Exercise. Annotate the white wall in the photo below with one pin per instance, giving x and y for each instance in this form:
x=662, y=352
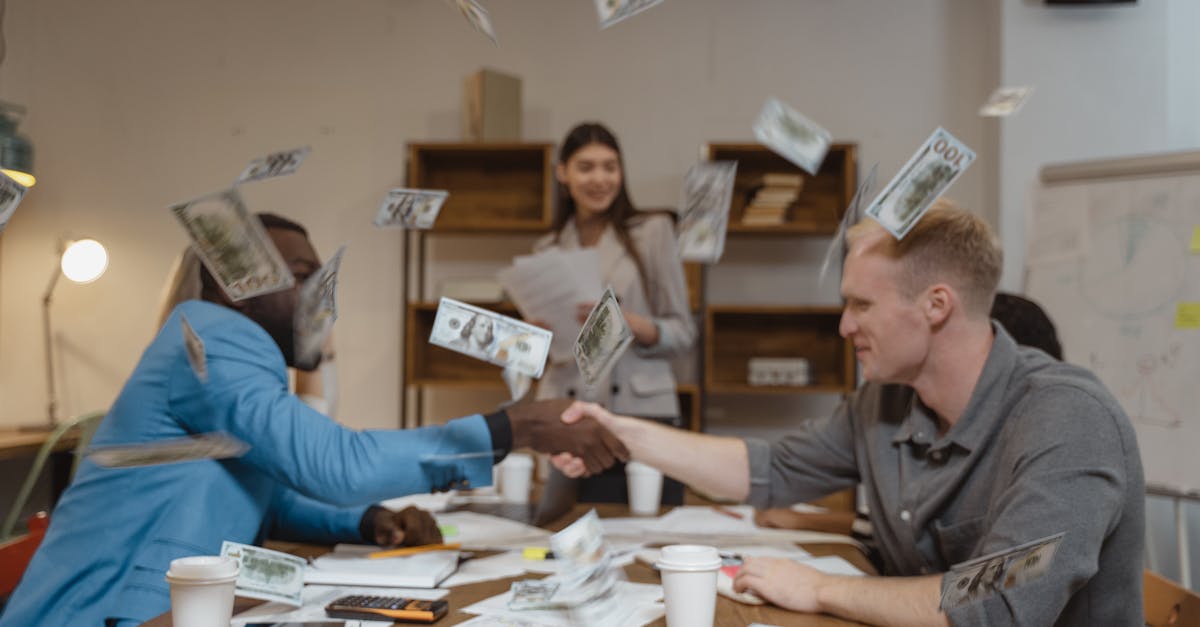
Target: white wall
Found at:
x=135, y=104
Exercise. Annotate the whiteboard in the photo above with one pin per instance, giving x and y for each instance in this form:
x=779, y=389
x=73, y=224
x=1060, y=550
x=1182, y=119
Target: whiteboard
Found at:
x=1108, y=257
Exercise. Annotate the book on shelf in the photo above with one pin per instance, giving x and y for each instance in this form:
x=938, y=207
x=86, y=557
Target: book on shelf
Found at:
x=777, y=179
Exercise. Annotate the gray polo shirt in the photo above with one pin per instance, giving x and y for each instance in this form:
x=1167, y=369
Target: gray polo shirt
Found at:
x=1041, y=448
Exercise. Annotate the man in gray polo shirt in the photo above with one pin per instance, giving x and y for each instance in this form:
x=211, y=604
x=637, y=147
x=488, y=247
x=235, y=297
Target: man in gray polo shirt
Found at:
x=965, y=444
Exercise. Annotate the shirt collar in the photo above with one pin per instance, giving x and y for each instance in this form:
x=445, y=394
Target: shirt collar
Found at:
x=977, y=422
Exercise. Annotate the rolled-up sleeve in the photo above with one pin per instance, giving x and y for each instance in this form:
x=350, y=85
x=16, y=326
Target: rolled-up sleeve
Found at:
x=816, y=459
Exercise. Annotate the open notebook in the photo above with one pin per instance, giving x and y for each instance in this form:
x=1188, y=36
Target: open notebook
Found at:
x=348, y=565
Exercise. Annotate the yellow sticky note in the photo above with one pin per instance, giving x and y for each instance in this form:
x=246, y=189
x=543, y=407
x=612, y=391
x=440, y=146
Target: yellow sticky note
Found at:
x=1195, y=240
x=1187, y=316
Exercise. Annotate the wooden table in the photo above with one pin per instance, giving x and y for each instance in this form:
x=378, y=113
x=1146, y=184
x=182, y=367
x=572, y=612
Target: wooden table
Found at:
x=729, y=612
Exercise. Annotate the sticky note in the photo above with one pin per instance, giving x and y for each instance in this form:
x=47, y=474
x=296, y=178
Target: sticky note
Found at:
x=535, y=553
x=448, y=531
x=1195, y=247
x=1187, y=316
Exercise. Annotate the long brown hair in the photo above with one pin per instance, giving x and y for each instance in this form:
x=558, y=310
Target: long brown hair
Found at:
x=621, y=213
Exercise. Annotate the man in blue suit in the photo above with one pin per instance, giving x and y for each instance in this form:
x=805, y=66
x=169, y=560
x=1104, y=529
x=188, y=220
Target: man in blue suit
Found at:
x=304, y=478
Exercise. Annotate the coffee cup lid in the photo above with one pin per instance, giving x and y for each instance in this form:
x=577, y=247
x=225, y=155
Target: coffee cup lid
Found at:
x=689, y=557
x=203, y=567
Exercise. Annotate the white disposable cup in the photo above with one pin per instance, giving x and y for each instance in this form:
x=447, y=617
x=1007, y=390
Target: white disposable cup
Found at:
x=689, y=580
x=202, y=590
x=516, y=473
x=645, y=488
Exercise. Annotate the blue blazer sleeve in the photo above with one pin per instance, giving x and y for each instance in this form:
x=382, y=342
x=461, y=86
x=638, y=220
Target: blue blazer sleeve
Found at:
x=297, y=518
x=246, y=396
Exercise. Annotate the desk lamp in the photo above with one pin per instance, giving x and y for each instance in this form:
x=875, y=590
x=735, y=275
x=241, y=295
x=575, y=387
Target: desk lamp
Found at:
x=83, y=261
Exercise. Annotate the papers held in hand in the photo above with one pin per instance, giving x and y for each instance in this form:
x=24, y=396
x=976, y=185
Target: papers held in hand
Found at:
x=350, y=565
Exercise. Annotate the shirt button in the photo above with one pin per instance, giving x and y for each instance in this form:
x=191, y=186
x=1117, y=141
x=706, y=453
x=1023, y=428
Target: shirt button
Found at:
x=905, y=516
x=936, y=456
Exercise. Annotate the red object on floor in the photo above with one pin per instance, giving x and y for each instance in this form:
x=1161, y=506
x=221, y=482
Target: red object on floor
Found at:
x=16, y=553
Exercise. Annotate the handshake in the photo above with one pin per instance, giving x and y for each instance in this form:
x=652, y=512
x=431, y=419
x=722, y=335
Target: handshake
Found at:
x=574, y=433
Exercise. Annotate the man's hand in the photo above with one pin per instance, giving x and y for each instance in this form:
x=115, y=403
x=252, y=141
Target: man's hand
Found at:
x=410, y=526
x=571, y=465
x=783, y=582
x=542, y=426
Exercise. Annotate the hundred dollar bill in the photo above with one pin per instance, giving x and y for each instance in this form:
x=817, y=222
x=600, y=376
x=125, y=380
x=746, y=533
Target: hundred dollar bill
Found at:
x=603, y=339
x=233, y=245
x=266, y=574
x=411, y=208
x=854, y=213
x=534, y=594
x=195, y=350
x=316, y=311
x=792, y=136
x=704, y=210
x=928, y=173
x=982, y=577
x=588, y=580
x=479, y=18
x=275, y=164
x=491, y=337
x=1005, y=101
x=613, y=11
x=11, y=194
x=185, y=449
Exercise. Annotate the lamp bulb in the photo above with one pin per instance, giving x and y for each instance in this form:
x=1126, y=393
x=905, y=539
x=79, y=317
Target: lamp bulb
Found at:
x=84, y=261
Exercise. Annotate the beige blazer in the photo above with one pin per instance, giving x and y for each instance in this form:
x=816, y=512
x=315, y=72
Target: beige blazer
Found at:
x=641, y=383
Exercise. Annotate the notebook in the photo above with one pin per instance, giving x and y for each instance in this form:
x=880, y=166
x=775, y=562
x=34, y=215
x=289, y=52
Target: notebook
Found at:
x=347, y=566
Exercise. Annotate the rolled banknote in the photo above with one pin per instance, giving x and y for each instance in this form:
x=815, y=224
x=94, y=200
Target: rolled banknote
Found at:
x=491, y=337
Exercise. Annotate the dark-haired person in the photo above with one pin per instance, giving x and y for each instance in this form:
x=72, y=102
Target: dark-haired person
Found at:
x=638, y=259
x=964, y=442
x=304, y=478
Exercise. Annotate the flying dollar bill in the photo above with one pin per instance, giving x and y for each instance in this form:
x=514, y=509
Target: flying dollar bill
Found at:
x=854, y=213
x=233, y=245
x=603, y=339
x=479, y=18
x=275, y=164
x=792, y=136
x=1005, y=101
x=984, y=576
x=266, y=574
x=316, y=311
x=11, y=194
x=704, y=210
x=174, y=450
x=195, y=350
x=411, y=208
x=929, y=172
x=491, y=337
x=613, y=11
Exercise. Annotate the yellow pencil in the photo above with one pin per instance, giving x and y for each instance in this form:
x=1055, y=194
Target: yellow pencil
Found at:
x=412, y=550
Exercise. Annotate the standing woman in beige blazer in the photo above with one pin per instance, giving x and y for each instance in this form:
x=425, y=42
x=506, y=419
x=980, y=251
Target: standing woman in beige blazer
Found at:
x=638, y=259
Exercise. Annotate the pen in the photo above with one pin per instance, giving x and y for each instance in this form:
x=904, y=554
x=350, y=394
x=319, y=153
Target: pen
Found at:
x=412, y=550
x=728, y=512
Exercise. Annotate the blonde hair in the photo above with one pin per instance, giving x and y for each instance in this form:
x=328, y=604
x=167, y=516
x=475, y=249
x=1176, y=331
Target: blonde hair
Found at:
x=948, y=244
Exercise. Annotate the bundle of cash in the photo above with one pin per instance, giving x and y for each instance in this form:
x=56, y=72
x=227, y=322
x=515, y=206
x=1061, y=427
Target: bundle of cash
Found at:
x=275, y=164
x=704, y=210
x=854, y=213
x=1005, y=101
x=929, y=172
x=587, y=577
x=316, y=311
x=411, y=208
x=233, y=245
x=11, y=194
x=195, y=350
x=185, y=449
x=478, y=17
x=792, y=136
x=984, y=576
x=491, y=337
x=266, y=574
x=613, y=11
x=603, y=339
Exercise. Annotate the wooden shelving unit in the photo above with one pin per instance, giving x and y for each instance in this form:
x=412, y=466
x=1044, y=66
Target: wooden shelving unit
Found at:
x=823, y=198
x=734, y=334
x=505, y=187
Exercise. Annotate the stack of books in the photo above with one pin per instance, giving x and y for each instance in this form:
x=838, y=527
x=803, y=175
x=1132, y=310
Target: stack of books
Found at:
x=771, y=198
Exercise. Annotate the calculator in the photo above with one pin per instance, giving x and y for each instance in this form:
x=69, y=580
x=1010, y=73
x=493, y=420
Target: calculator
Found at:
x=396, y=609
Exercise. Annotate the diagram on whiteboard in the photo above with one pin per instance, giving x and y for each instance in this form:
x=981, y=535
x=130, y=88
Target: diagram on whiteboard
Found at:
x=1110, y=262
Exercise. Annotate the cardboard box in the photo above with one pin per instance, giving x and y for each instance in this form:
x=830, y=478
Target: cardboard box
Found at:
x=492, y=107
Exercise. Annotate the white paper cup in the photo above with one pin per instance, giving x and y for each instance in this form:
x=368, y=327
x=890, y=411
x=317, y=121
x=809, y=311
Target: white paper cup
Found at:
x=645, y=488
x=689, y=579
x=516, y=471
x=202, y=590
